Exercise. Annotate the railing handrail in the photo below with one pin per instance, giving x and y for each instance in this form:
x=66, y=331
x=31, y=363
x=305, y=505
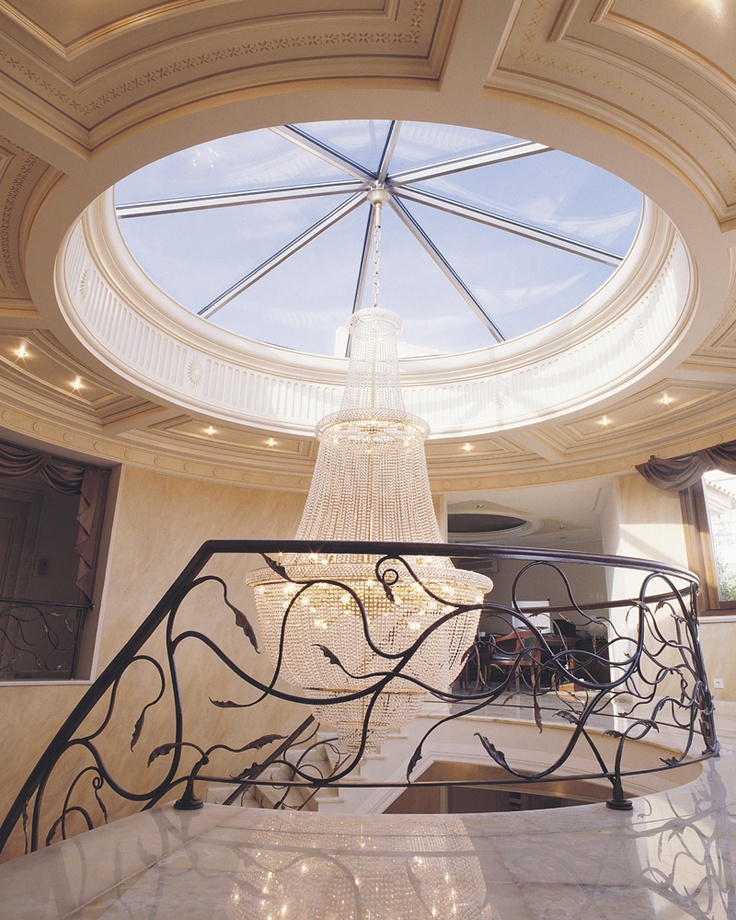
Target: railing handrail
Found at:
x=455, y=550
x=100, y=686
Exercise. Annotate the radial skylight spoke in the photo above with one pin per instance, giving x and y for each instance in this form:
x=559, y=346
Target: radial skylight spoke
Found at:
x=546, y=237
x=439, y=260
x=282, y=255
x=471, y=161
x=231, y=199
x=388, y=150
x=329, y=154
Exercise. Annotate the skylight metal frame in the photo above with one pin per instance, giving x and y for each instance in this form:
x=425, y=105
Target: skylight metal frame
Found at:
x=233, y=199
x=508, y=224
x=439, y=259
x=402, y=188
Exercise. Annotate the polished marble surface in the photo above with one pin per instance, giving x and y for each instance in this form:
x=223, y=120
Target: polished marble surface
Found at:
x=671, y=858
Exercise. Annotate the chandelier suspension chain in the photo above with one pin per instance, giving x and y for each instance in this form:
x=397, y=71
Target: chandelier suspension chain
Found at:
x=377, y=205
x=377, y=197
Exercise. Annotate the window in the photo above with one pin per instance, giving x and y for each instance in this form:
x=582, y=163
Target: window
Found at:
x=709, y=512
x=51, y=516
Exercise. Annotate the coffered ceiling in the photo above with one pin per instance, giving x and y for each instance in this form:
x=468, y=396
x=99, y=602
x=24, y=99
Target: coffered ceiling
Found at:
x=90, y=92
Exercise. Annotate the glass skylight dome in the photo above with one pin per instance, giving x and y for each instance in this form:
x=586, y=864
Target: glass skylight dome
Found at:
x=485, y=237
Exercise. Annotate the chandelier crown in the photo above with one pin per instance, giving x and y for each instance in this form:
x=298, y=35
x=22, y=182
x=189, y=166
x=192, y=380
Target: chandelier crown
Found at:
x=373, y=372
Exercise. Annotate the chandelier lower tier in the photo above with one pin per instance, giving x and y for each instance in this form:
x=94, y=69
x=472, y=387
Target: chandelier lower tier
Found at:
x=337, y=625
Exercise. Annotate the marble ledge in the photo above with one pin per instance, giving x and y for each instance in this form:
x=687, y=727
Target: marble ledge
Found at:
x=671, y=858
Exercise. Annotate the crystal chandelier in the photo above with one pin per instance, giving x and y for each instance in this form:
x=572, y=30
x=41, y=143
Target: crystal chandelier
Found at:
x=370, y=483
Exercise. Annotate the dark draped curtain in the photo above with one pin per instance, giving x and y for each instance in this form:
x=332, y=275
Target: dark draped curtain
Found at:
x=20, y=462
x=89, y=482
x=679, y=473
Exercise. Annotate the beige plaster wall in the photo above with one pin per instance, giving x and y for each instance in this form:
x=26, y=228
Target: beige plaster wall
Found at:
x=160, y=522
x=647, y=522
x=718, y=640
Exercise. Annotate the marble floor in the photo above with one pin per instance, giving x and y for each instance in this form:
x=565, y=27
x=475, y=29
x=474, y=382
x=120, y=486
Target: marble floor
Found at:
x=672, y=857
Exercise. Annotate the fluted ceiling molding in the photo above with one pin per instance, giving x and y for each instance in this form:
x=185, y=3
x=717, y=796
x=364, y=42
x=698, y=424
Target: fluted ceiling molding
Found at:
x=618, y=336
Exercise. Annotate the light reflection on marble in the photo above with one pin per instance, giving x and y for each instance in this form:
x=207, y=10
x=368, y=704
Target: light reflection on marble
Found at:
x=428, y=870
x=672, y=858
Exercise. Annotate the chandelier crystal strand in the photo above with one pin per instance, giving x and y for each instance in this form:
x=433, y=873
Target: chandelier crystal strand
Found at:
x=370, y=483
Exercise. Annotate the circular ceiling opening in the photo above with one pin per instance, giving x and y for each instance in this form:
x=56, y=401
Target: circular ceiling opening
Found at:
x=485, y=237
x=482, y=523
x=512, y=266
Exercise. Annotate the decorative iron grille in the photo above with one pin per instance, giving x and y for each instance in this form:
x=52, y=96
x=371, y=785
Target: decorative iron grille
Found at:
x=173, y=713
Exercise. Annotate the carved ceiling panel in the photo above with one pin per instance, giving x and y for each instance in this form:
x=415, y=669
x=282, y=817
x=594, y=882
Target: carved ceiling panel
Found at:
x=89, y=65
x=35, y=362
x=20, y=175
x=723, y=338
x=652, y=419
x=661, y=77
x=494, y=449
x=220, y=435
x=698, y=33
x=655, y=85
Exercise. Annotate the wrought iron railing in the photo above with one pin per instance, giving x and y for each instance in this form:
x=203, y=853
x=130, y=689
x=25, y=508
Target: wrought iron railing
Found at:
x=173, y=712
x=39, y=640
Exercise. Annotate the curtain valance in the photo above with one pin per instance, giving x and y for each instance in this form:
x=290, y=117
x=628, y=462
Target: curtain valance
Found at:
x=62, y=475
x=680, y=473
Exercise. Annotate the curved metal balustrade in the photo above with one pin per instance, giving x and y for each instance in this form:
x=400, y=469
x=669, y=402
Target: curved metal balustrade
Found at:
x=174, y=711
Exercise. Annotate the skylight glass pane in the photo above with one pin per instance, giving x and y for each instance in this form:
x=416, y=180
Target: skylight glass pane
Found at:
x=360, y=141
x=195, y=256
x=421, y=144
x=203, y=249
x=258, y=159
x=308, y=300
x=554, y=191
x=522, y=284
x=436, y=319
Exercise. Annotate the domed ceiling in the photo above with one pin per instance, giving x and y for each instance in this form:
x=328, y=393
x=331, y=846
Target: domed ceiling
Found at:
x=496, y=326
